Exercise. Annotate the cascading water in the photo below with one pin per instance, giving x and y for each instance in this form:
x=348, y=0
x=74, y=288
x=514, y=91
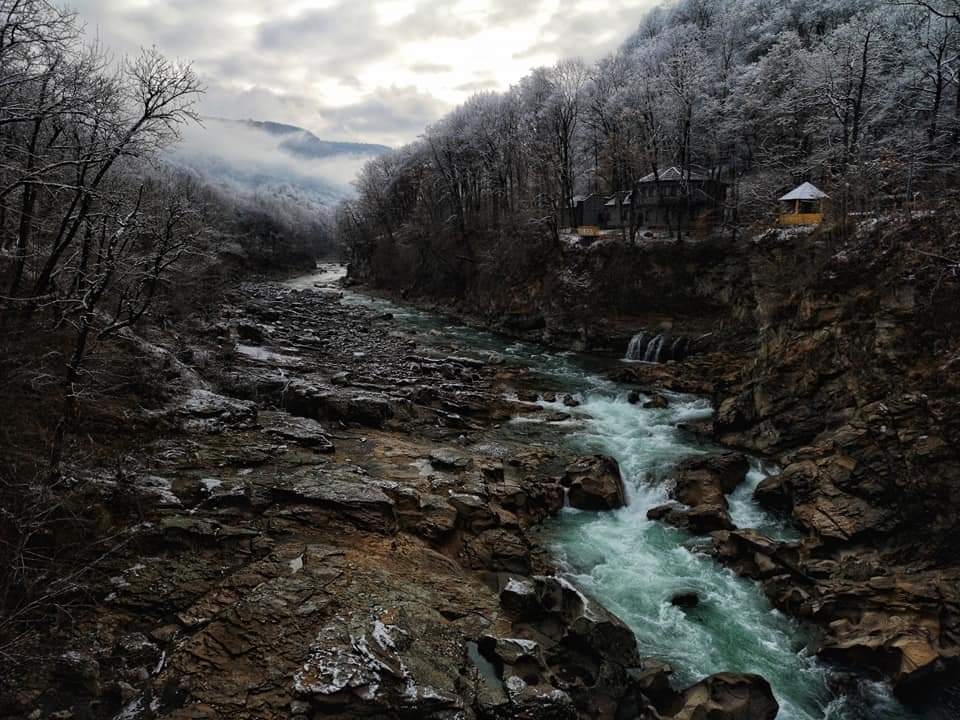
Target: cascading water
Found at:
x=644, y=347
x=634, y=566
x=637, y=348
x=656, y=347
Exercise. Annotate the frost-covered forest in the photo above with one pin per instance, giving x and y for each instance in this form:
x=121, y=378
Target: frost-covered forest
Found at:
x=861, y=97
x=99, y=229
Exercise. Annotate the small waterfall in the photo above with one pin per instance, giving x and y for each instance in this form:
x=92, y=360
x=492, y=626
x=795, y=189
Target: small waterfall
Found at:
x=654, y=349
x=679, y=349
x=637, y=347
x=650, y=348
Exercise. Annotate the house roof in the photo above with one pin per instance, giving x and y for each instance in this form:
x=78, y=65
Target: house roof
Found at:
x=807, y=191
x=672, y=173
x=625, y=195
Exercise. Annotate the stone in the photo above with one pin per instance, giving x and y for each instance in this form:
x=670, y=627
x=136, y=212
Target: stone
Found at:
x=657, y=402
x=498, y=549
x=449, y=459
x=250, y=334
x=653, y=681
x=336, y=404
x=726, y=696
x=430, y=516
x=701, y=520
x=519, y=597
x=299, y=430
x=774, y=493
x=79, y=673
x=594, y=483
x=357, y=499
x=136, y=649
x=702, y=484
x=473, y=513
x=206, y=412
x=685, y=600
x=707, y=475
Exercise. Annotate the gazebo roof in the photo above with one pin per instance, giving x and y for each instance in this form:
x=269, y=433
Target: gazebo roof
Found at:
x=807, y=191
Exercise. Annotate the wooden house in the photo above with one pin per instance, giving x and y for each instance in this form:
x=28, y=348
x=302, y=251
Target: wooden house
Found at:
x=804, y=205
x=678, y=201
x=587, y=214
x=617, y=209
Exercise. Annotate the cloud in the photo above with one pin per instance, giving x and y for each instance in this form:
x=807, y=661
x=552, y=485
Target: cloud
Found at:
x=475, y=86
x=390, y=115
x=248, y=159
x=587, y=30
x=368, y=70
x=335, y=41
x=430, y=68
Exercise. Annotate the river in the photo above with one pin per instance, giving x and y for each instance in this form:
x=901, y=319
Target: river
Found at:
x=633, y=565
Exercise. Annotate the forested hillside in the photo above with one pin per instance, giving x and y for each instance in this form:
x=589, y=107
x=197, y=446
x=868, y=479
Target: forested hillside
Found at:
x=276, y=171
x=862, y=98
x=100, y=232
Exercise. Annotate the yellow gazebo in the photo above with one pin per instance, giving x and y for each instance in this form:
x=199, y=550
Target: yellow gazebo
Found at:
x=803, y=205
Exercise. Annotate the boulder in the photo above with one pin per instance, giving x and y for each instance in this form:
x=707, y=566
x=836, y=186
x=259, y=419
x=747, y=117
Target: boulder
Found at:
x=250, y=334
x=78, y=673
x=709, y=477
x=560, y=612
x=685, y=600
x=204, y=411
x=594, y=483
x=700, y=520
x=702, y=484
x=356, y=499
x=531, y=500
x=657, y=402
x=726, y=696
x=299, y=430
x=336, y=404
x=774, y=493
x=497, y=549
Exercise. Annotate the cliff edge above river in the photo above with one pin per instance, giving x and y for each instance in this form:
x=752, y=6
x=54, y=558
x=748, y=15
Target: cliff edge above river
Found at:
x=833, y=352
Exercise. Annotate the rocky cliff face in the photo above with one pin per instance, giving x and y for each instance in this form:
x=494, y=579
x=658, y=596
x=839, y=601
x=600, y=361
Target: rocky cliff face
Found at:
x=841, y=359
x=854, y=387
x=588, y=297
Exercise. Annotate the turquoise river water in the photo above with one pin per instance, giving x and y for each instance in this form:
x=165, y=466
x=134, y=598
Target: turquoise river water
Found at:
x=633, y=565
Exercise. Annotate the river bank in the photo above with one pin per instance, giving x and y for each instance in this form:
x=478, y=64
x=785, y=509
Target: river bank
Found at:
x=342, y=514
x=833, y=357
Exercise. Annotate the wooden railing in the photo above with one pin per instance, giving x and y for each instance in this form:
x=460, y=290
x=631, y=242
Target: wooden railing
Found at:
x=801, y=218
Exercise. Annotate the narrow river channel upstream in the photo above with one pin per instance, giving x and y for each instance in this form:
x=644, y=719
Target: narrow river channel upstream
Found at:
x=633, y=565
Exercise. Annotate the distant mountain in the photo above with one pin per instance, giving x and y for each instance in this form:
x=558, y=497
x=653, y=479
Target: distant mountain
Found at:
x=273, y=160
x=303, y=142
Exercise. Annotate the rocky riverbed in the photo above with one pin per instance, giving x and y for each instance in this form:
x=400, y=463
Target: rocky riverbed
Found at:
x=335, y=522
x=347, y=512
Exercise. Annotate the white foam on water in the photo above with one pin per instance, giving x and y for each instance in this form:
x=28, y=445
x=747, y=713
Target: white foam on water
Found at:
x=634, y=566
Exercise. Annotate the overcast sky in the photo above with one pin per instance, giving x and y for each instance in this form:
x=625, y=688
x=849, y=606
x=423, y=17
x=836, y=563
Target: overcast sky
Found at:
x=366, y=70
